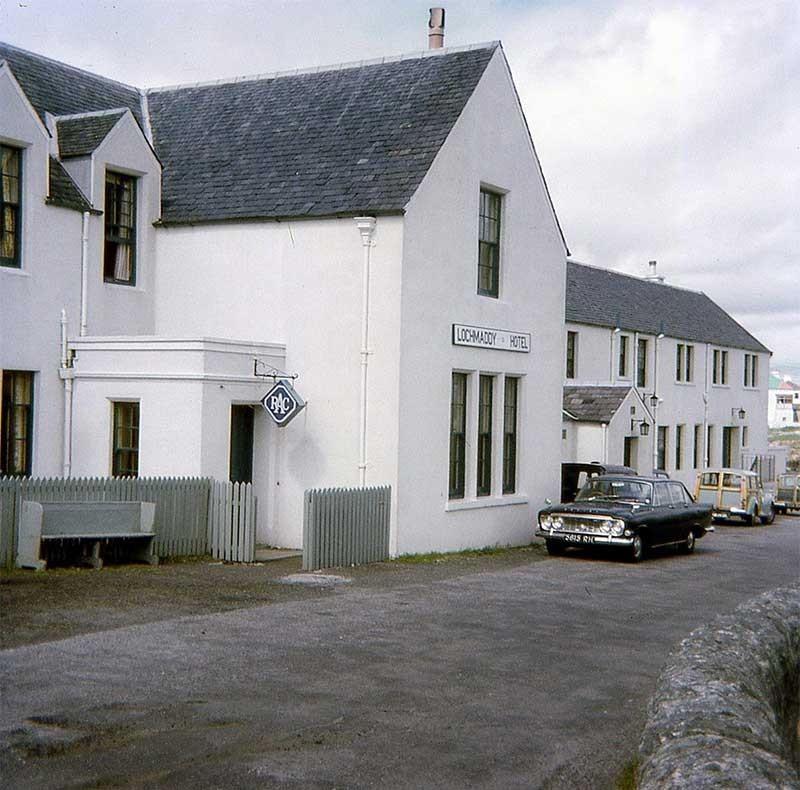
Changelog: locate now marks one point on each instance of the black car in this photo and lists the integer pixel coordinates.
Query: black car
(634, 513)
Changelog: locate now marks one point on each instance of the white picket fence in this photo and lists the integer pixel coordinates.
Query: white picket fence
(194, 516)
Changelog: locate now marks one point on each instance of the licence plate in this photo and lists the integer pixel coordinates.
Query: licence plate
(579, 538)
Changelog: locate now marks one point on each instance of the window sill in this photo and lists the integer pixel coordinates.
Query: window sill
(486, 501)
(684, 383)
(15, 270)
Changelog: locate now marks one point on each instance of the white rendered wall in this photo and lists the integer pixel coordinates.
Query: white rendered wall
(32, 297)
(489, 145)
(297, 284)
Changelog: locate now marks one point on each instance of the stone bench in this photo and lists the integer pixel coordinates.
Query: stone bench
(89, 524)
(726, 709)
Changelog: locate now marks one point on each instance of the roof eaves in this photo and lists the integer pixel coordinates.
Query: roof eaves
(349, 214)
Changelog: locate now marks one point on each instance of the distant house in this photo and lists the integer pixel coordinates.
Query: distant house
(378, 229)
(658, 376)
(784, 402)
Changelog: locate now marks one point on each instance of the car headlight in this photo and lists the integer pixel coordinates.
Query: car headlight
(546, 521)
(558, 523)
(617, 526)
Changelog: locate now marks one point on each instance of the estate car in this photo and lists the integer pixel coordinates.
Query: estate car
(735, 493)
(788, 498)
(631, 513)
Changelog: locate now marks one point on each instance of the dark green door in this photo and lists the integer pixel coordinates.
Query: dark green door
(242, 444)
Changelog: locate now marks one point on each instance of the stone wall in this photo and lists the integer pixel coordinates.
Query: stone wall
(726, 708)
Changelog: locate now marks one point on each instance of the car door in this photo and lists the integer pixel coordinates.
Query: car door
(683, 507)
(663, 512)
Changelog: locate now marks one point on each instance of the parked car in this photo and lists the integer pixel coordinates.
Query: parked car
(574, 476)
(735, 493)
(787, 498)
(634, 513)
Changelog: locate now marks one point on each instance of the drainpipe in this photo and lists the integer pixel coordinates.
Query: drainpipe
(366, 227)
(706, 377)
(84, 272)
(66, 373)
(604, 427)
(659, 336)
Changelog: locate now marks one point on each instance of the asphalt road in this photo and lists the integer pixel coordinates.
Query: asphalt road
(537, 676)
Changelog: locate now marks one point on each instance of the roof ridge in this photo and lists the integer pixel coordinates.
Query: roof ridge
(354, 64)
(70, 66)
(91, 114)
(638, 278)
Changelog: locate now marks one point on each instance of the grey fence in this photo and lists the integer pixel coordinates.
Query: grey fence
(345, 526)
(193, 515)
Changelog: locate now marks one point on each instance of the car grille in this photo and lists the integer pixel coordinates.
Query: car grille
(586, 524)
(785, 493)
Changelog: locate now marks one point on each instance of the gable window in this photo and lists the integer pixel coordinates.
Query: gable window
(641, 363)
(750, 370)
(572, 351)
(119, 256)
(510, 435)
(458, 435)
(489, 244)
(16, 423)
(485, 391)
(684, 362)
(719, 371)
(622, 368)
(10, 205)
(125, 447)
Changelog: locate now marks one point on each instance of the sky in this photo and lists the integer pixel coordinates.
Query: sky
(667, 130)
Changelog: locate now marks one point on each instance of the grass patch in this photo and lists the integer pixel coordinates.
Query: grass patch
(627, 779)
(467, 554)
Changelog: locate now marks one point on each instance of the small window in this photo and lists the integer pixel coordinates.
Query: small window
(623, 356)
(458, 434)
(489, 244)
(697, 450)
(510, 435)
(641, 363)
(709, 446)
(10, 205)
(119, 257)
(572, 352)
(719, 372)
(709, 479)
(16, 423)
(485, 392)
(679, 447)
(125, 451)
(661, 450)
(684, 362)
(750, 370)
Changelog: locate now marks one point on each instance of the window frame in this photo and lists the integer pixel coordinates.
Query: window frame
(622, 361)
(572, 354)
(489, 242)
(13, 261)
(662, 446)
(697, 460)
(679, 431)
(641, 362)
(8, 437)
(719, 370)
(117, 449)
(457, 473)
(684, 363)
(751, 370)
(483, 478)
(111, 238)
(510, 437)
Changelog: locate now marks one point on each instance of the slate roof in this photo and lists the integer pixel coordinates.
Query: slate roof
(63, 190)
(64, 90)
(605, 298)
(80, 136)
(594, 404)
(350, 140)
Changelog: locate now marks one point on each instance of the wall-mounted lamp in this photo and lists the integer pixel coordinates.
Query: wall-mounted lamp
(740, 413)
(654, 401)
(644, 427)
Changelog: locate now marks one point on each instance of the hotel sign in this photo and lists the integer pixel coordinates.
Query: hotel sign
(482, 337)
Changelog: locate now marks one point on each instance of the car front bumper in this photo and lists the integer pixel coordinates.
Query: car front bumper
(584, 539)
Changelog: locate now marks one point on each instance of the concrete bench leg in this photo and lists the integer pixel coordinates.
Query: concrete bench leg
(94, 560)
(144, 553)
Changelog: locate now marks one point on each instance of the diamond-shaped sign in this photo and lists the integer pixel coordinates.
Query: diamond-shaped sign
(282, 403)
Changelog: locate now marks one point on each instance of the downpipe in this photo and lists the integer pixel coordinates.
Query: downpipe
(66, 374)
(366, 227)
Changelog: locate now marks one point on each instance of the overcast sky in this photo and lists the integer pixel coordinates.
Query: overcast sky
(667, 130)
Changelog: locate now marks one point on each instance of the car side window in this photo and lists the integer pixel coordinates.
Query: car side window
(660, 495)
(678, 494)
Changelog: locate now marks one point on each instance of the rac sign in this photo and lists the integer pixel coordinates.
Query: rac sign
(282, 403)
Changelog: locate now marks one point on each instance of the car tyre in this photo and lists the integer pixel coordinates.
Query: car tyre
(688, 545)
(751, 518)
(636, 551)
(555, 548)
(769, 516)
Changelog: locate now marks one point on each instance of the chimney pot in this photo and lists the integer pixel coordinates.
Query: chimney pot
(436, 28)
(654, 276)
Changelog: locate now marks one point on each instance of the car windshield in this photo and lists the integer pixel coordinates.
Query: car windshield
(626, 490)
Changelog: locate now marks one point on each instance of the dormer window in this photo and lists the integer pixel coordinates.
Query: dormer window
(119, 257)
(10, 215)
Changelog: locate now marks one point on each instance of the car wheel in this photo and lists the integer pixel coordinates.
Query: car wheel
(688, 546)
(555, 548)
(636, 551)
(769, 516)
(751, 518)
